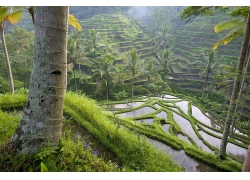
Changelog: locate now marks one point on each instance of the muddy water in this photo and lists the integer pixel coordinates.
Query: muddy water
(138, 112)
(182, 159)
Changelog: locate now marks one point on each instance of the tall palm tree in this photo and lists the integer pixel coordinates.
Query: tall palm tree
(105, 71)
(236, 88)
(225, 80)
(12, 16)
(95, 41)
(208, 65)
(165, 60)
(150, 70)
(246, 72)
(119, 75)
(75, 52)
(42, 119)
(133, 63)
(163, 37)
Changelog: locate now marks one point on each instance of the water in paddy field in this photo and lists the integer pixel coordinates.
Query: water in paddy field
(182, 159)
(138, 112)
(122, 106)
(179, 156)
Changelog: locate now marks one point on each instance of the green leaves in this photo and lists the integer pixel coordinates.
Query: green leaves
(44, 168)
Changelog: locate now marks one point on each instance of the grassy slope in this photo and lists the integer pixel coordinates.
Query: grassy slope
(86, 112)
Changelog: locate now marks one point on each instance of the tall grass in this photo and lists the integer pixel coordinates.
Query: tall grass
(123, 143)
(8, 125)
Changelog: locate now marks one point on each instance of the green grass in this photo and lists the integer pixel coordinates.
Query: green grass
(145, 158)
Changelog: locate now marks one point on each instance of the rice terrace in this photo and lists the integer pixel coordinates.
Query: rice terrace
(124, 89)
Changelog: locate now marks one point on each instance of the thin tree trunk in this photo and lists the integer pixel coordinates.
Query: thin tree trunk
(236, 88)
(246, 165)
(74, 76)
(148, 85)
(7, 60)
(133, 83)
(41, 124)
(205, 84)
(80, 71)
(241, 88)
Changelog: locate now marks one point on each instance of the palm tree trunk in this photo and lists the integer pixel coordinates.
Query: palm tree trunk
(246, 165)
(241, 88)
(41, 124)
(7, 60)
(133, 83)
(205, 84)
(148, 85)
(74, 77)
(79, 66)
(223, 145)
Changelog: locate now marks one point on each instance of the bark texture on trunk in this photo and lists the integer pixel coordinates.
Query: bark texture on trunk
(246, 165)
(235, 92)
(41, 123)
(7, 60)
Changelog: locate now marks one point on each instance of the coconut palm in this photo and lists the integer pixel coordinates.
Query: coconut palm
(105, 71)
(8, 15)
(236, 88)
(150, 70)
(133, 63)
(208, 64)
(225, 79)
(94, 42)
(237, 27)
(75, 52)
(163, 37)
(243, 82)
(165, 60)
(42, 119)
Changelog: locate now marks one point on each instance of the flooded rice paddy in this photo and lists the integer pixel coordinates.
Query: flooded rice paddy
(188, 132)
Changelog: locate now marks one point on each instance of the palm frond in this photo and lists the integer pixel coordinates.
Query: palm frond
(12, 18)
(229, 37)
(73, 21)
(229, 24)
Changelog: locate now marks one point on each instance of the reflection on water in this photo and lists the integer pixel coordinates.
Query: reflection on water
(182, 159)
(183, 105)
(157, 106)
(146, 121)
(169, 96)
(128, 105)
(185, 138)
(162, 114)
(212, 131)
(187, 129)
(231, 148)
(196, 112)
(138, 112)
(165, 127)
